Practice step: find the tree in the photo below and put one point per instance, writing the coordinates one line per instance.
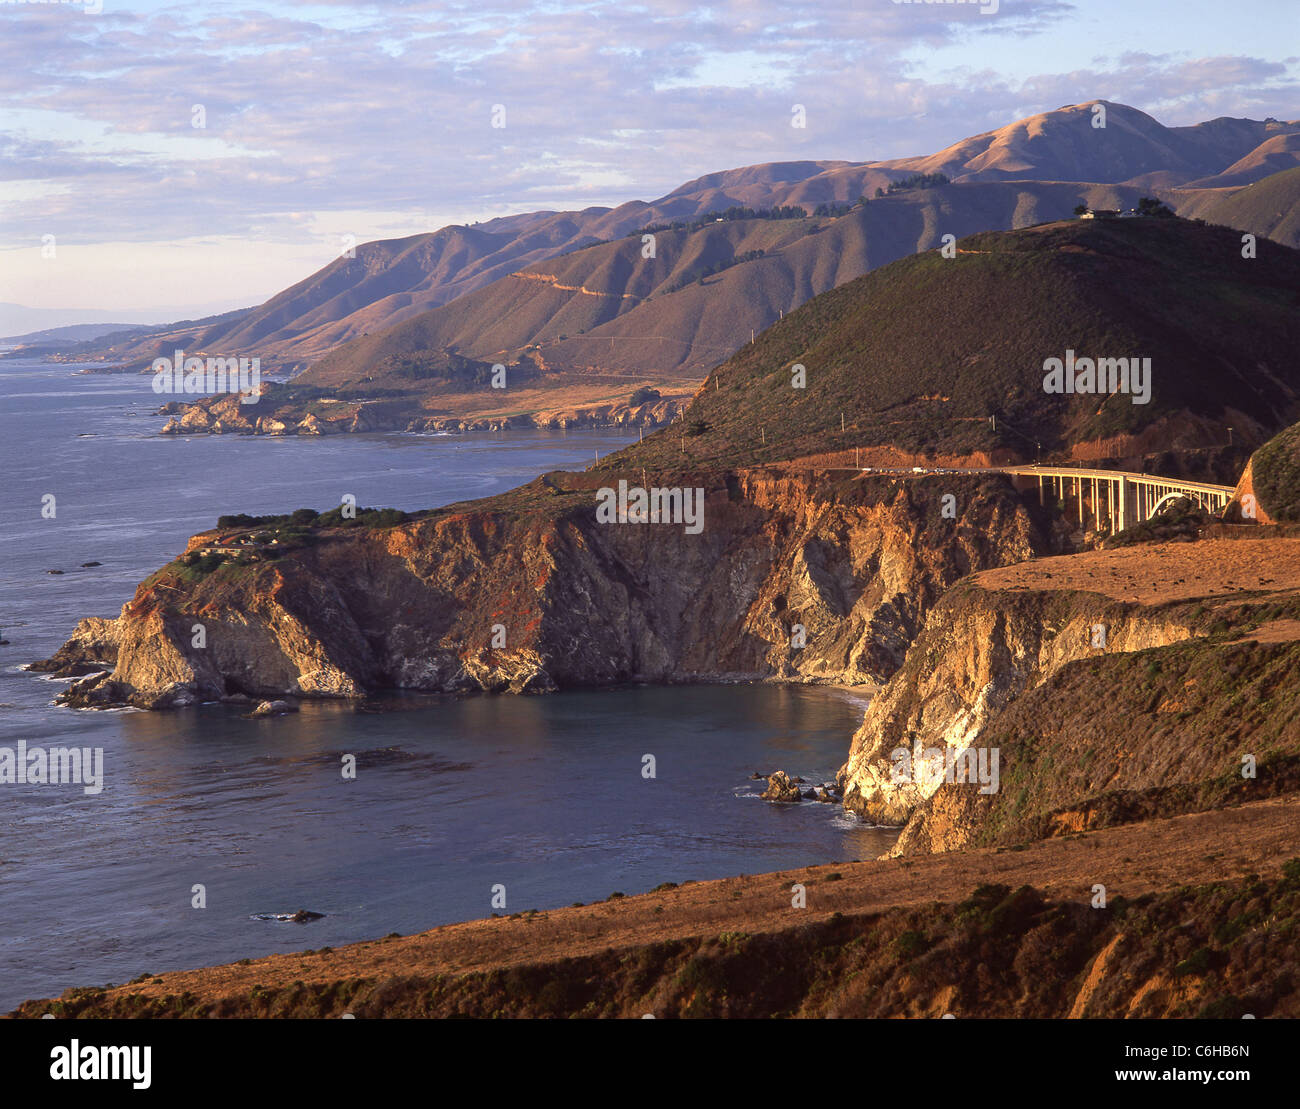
(1080, 209)
(1150, 206)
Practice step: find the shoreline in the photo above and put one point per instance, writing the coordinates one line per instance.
(395, 975)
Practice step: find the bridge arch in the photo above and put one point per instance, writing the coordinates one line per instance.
(1169, 498)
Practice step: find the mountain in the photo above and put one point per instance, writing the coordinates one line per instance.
(945, 357)
(607, 309)
(393, 281)
(18, 323)
(1064, 145)
(56, 337)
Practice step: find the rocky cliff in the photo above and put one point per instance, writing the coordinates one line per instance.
(1090, 689)
(227, 415)
(801, 577)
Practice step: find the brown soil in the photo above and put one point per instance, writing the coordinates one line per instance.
(1163, 572)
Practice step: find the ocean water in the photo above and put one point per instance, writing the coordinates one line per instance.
(543, 795)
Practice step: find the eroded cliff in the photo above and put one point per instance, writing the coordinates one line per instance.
(529, 592)
(1031, 706)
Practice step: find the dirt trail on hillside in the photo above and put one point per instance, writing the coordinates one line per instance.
(1128, 860)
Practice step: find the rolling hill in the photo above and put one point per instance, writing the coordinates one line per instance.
(606, 309)
(1269, 208)
(1020, 167)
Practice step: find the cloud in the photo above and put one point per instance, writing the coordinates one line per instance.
(335, 107)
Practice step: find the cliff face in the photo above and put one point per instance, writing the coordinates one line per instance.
(528, 592)
(1076, 709)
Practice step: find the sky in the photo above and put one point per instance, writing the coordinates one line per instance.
(194, 157)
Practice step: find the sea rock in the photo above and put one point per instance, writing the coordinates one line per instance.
(89, 564)
(311, 424)
(91, 649)
(781, 788)
(269, 425)
(274, 708)
(302, 916)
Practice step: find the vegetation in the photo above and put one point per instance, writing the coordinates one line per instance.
(916, 181)
(1150, 206)
(1182, 708)
(921, 353)
(1233, 946)
(302, 521)
(698, 276)
(726, 215)
(1179, 521)
(1275, 472)
(834, 210)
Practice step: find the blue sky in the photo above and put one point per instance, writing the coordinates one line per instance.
(374, 120)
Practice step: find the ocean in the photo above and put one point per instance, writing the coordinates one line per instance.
(542, 795)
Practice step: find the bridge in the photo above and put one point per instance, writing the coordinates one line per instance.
(1111, 499)
(1116, 499)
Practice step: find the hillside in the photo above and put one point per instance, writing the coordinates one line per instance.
(392, 281)
(945, 357)
(1203, 925)
(1273, 478)
(606, 308)
(1270, 208)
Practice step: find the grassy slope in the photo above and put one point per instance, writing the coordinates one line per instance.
(1191, 929)
(1275, 470)
(920, 353)
(1269, 208)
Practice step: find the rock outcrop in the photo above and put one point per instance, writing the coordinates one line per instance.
(798, 578)
(1028, 706)
(225, 415)
(781, 788)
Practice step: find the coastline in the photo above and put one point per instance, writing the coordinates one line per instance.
(662, 952)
